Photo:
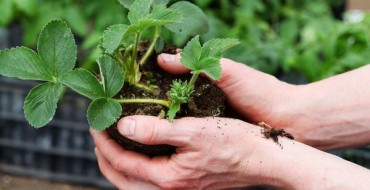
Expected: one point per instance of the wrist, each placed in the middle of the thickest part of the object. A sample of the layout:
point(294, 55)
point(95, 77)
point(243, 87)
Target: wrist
point(294, 111)
point(298, 166)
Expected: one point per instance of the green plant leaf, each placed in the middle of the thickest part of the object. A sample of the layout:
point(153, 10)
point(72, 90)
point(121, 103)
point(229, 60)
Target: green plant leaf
point(6, 11)
point(171, 113)
point(139, 9)
point(215, 47)
point(164, 14)
point(113, 36)
point(111, 74)
point(160, 15)
point(77, 21)
point(159, 45)
point(23, 63)
point(211, 67)
point(41, 103)
point(57, 47)
point(160, 2)
point(29, 7)
point(190, 56)
point(206, 59)
point(84, 83)
point(103, 112)
point(126, 3)
point(194, 20)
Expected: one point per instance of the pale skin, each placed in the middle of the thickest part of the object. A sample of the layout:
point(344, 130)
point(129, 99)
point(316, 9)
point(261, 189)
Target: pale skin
point(223, 153)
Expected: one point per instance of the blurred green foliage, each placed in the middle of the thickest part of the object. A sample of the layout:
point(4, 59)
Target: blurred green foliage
point(278, 36)
point(291, 35)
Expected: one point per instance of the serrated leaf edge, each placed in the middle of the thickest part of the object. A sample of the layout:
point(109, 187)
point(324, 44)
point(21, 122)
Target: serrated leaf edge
point(26, 100)
point(88, 120)
point(43, 29)
point(46, 79)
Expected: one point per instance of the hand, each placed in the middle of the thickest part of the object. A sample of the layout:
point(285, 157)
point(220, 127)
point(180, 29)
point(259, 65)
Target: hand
point(218, 153)
point(255, 95)
point(212, 153)
point(329, 114)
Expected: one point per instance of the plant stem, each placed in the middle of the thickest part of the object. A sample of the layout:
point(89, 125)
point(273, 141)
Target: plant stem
point(144, 101)
point(147, 88)
point(194, 78)
point(137, 41)
point(152, 45)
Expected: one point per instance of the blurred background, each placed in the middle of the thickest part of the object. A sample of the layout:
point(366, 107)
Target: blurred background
point(297, 41)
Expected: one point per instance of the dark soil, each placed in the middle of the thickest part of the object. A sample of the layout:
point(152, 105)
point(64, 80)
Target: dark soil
point(274, 134)
point(206, 100)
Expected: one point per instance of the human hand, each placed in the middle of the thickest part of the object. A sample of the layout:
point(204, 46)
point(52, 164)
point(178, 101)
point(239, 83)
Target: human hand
point(212, 153)
point(329, 114)
point(219, 153)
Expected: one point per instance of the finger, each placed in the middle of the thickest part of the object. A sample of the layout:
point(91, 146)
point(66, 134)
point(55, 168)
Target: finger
point(231, 70)
point(153, 131)
point(133, 164)
point(171, 63)
point(119, 179)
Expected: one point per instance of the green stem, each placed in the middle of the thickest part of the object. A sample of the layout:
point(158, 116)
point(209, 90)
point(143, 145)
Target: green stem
point(194, 78)
point(144, 101)
point(137, 41)
point(152, 45)
point(147, 88)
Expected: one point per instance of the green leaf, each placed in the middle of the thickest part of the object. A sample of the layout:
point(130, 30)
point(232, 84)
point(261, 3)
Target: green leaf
point(57, 48)
point(215, 47)
point(41, 103)
point(111, 74)
point(84, 83)
point(194, 20)
point(160, 2)
point(113, 36)
point(164, 14)
point(139, 9)
point(126, 3)
point(160, 15)
point(171, 114)
point(6, 11)
point(103, 112)
point(23, 63)
point(190, 56)
point(159, 45)
point(29, 7)
point(206, 59)
point(211, 67)
point(77, 21)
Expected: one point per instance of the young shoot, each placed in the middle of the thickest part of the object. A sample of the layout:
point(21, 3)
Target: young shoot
point(143, 14)
point(199, 59)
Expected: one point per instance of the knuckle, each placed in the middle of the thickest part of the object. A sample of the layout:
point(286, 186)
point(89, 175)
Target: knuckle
point(118, 164)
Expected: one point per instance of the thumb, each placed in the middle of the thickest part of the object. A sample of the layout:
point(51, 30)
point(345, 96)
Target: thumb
point(232, 72)
point(152, 131)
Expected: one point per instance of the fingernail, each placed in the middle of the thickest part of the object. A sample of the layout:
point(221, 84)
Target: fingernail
point(168, 57)
point(126, 127)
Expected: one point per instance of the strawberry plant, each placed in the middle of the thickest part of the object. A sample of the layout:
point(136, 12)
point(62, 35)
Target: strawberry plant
point(120, 66)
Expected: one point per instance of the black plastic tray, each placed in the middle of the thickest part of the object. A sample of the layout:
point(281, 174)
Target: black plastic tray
point(61, 151)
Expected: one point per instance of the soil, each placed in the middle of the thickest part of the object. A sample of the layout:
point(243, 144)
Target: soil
point(274, 134)
point(206, 100)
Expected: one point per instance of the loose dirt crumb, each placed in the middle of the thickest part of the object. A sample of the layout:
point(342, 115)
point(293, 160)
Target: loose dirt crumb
point(274, 134)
